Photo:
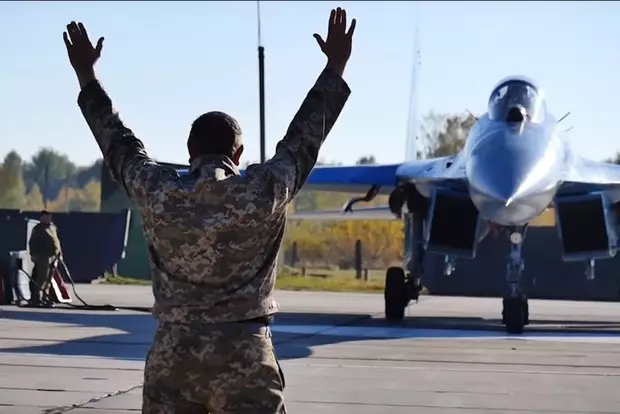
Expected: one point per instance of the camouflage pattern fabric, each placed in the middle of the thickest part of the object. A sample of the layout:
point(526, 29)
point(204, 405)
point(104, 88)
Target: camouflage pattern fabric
point(44, 241)
point(190, 372)
point(42, 278)
point(213, 235)
point(213, 238)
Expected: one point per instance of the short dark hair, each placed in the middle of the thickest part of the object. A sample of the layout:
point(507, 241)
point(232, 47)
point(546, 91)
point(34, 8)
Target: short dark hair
point(45, 213)
point(214, 133)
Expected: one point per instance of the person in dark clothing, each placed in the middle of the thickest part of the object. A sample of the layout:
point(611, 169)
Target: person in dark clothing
point(45, 249)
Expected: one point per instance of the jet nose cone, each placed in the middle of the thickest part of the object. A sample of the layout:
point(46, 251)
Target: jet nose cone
point(501, 174)
point(512, 176)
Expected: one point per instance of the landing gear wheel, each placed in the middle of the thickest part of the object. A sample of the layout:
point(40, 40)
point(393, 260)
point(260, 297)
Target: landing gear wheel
point(515, 315)
point(395, 294)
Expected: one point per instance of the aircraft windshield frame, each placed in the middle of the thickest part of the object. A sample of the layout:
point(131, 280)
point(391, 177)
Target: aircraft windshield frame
point(516, 93)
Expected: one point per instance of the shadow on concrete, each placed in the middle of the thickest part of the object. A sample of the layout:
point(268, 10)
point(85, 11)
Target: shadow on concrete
point(294, 333)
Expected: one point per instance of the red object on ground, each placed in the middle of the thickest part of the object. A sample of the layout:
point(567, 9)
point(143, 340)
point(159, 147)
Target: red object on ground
point(60, 287)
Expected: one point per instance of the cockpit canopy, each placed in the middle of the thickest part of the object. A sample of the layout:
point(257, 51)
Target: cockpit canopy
point(517, 100)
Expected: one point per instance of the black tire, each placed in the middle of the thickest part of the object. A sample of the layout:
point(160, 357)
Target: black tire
point(395, 294)
point(514, 315)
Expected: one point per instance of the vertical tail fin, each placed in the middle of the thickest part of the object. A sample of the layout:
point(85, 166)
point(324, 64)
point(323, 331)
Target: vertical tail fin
point(413, 149)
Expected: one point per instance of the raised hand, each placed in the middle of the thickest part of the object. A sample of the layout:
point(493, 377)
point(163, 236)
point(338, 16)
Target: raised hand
point(337, 46)
point(82, 54)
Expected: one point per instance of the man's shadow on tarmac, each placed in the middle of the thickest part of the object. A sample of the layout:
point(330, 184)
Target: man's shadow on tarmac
point(295, 334)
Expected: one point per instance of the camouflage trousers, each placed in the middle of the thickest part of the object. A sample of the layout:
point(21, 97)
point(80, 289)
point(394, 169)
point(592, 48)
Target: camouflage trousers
point(42, 275)
point(218, 369)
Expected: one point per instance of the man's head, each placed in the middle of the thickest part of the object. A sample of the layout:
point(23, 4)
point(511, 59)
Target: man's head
point(215, 133)
point(46, 217)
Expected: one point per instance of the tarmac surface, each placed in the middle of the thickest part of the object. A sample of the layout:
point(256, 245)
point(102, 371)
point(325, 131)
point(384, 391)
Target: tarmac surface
point(450, 356)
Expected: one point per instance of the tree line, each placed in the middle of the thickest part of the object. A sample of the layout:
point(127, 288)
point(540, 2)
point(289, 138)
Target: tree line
point(49, 180)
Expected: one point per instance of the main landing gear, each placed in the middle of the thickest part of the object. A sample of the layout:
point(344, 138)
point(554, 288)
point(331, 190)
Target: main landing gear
point(515, 312)
point(401, 287)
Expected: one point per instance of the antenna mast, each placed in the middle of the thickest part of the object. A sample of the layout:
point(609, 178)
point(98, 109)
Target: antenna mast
point(261, 85)
point(413, 150)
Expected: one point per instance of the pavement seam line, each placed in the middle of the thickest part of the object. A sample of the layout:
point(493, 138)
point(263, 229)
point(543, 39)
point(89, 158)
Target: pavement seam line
point(66, 408)
point(349, 322)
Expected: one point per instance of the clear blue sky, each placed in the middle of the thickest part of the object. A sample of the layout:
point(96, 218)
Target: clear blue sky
point(164, 63)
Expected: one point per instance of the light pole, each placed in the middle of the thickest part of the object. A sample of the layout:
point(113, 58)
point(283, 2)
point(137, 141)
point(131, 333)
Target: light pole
point(261, 86)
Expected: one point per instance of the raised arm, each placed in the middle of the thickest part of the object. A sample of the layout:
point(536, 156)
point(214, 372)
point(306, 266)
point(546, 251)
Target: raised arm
point(123, 153)
point(297, 153)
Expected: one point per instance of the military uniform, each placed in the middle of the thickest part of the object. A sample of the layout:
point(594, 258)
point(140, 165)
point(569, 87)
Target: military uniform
point(44, 248)
point(213, 238)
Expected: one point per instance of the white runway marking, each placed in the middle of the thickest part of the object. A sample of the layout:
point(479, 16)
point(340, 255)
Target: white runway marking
point(374, 332)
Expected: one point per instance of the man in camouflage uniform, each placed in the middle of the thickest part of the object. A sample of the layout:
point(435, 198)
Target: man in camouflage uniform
point(213, 237)
point(44, 248)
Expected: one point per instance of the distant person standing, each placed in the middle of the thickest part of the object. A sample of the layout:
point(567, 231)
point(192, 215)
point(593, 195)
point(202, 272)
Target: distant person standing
point(213, 237)
point(45, 249)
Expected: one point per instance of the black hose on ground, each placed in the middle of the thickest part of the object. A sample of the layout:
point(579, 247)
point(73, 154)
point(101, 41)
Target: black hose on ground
point(84, 305)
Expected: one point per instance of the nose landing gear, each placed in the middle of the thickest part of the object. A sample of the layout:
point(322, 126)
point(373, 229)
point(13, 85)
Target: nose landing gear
point(515, 312)
point(449, 266)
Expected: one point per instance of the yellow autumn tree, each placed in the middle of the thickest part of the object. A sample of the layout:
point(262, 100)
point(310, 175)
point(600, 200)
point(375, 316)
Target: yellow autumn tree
point(91, 196)
point(309, 237)
point(34, 199)
point(332, 243)
point(12, 188)
point(77, 199)
point(382, 242)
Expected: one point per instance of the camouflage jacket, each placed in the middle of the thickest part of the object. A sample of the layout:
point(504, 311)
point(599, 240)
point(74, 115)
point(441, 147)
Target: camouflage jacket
point(44, 241)
point(213, 235)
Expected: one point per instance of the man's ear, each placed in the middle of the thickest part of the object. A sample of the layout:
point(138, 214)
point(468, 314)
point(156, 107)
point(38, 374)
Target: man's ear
point(237, 155)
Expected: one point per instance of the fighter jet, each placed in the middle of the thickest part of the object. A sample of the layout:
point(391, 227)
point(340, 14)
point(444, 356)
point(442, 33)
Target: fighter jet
point(515, 164)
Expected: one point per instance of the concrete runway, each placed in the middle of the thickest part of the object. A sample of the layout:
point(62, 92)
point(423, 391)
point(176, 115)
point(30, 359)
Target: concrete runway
point(451, 356)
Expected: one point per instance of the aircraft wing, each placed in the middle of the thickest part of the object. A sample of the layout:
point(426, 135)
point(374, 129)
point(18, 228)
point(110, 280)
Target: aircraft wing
point(359, 178)
point(586, 175)
point(352, 178)
point(433, 170)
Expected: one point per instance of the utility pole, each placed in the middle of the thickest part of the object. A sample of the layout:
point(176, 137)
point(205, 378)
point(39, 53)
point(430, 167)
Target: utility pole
point(46, 183)
point(66, 185)
point(261, 86)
